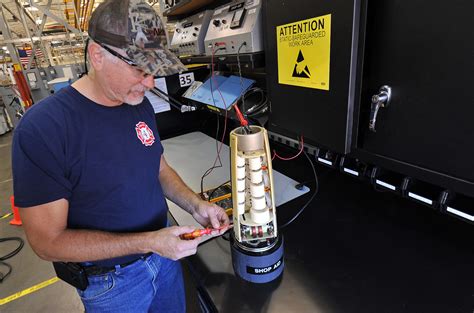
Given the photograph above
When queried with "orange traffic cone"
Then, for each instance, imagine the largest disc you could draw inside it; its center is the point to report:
(16, 214)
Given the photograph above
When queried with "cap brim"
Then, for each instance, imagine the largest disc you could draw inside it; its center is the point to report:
(156, 62)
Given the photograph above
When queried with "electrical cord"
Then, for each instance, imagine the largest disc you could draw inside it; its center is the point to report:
(9, 255)
(258, 108)
(241, 80)
(316, 190)
(275, 155)
(217, 162)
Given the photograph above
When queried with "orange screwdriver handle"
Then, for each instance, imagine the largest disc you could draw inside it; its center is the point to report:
(195, 234)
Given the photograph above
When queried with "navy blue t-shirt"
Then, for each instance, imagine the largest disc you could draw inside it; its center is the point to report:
(104, 160)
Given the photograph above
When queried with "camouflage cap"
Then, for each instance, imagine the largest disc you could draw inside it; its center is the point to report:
(135, 27)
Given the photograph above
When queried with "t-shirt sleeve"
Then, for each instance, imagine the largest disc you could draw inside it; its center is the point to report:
(39, 168)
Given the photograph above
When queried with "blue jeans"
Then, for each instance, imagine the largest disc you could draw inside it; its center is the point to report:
(154, 284)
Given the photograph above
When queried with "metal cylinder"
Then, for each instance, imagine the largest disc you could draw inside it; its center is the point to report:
(249, 142)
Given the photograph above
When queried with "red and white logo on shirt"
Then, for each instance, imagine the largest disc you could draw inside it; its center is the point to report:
(145, 134)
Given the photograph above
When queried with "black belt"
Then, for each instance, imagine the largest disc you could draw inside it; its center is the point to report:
(100, 270)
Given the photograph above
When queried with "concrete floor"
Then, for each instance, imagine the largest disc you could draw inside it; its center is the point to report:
(28, 269)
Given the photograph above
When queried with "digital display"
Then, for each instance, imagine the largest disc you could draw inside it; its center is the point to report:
(188, 25)
(236, 6)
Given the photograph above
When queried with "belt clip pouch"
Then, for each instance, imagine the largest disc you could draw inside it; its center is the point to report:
(72, 274)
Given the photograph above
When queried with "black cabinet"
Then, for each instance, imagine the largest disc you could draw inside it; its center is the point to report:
(323, 115)
(412, 63)
(425, 53)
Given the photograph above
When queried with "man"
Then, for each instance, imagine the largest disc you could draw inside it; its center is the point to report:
(91, 180)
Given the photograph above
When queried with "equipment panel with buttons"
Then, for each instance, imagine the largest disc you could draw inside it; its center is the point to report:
(189, 34)
(235, 28)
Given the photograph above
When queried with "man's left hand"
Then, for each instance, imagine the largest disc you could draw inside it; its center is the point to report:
(211, 215)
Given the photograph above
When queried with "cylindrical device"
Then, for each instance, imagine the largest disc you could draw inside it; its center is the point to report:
(257, 247)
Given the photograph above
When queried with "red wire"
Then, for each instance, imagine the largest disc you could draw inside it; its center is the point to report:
(290, 158)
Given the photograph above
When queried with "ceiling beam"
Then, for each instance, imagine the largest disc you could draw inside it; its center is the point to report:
(43, 38)
(10, 11)
(28, 14)
(56, 18)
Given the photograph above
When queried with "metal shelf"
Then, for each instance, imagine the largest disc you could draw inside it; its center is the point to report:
(247, 60)
(186, 7)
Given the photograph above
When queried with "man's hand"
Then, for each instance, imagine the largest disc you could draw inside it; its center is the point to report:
(210, 215)
(167, 243)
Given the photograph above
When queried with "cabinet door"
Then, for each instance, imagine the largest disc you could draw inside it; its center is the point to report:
(423, 50)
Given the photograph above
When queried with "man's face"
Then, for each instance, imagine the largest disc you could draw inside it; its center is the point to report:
(126, 83)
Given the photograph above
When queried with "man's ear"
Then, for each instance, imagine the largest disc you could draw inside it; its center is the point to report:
(96, 55)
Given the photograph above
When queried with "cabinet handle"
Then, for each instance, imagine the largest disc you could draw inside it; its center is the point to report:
(380, 100)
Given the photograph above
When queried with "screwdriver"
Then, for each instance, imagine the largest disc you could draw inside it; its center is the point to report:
(197, 233)
(200, 232)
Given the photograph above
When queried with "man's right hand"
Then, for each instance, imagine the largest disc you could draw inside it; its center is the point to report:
(167, 242)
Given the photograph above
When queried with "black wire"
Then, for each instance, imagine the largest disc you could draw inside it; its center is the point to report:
(209, 170)
(9, 255)
(258, 108)
(316, 190)
(14, 252)
(2, 275)
(240, 74)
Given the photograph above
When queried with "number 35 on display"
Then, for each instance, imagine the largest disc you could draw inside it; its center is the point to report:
(186, 79)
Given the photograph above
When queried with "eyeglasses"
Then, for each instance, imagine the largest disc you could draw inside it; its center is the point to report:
(116, 54)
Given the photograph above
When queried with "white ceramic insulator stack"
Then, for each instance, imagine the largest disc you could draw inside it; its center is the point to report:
(240, 196)
(241, 172)
(256, 176)
(259, 204)
(261, 216)
(255, 163)
(257, 190)
(240, 162)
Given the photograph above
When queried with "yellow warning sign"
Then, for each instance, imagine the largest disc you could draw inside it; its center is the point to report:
(303, 49)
